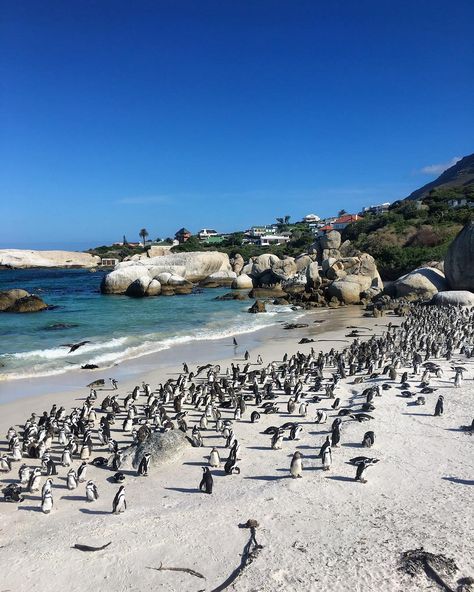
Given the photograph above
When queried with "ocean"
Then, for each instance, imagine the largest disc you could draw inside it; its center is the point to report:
(117, 327)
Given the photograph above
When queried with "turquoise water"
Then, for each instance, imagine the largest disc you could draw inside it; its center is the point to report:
(118, 327)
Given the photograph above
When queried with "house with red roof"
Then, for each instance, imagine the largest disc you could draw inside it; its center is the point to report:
(343, 221)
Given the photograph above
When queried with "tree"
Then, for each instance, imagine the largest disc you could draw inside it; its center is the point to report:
(341, 213)
(125, 241)
(280, 221)
(143, 234)
(287, 219)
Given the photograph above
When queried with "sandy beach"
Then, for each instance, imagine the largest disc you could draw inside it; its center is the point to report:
(324, 531)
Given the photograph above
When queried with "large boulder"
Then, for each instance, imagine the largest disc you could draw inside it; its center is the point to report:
(237, 263)
(258, 306)
(284, 269)
(262, 263)
(458, 263)
(154, 288)
(158, 251)
(164, 448)
(454, 298)
(19, 259)
(330, 240)
(345, 291)
(243, 282)
(303, 262)
(219, 278)
(192, 267)
(313, 278)
(9, 297)
(139, 287)
(423, 282)
(119, 280)
(28, 304)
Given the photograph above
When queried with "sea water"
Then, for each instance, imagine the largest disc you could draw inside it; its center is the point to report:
(117, 327)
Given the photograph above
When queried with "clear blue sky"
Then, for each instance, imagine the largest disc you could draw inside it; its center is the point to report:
(118, 115)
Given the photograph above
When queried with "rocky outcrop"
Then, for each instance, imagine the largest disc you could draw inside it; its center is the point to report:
(258, 306)
(458, 263)
(219, 279)
(157, 251)
(21, 259)
(423, 283)
(237, 263)
(177, 270)
(454, 298)
(164, 448)
(20, 301)
(243, 282)
(345, 291)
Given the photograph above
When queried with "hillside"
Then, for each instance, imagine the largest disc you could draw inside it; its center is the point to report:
(456, 177)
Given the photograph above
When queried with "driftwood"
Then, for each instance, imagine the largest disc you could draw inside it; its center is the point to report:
(87, 548)
(191, 572)
(250, 553)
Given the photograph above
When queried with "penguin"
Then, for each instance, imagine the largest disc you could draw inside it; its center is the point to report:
(335, 436)
(24, 474)
(66, 458)
(303, 409)
(230, 467)
(277, 440)
(296, 466)
(144, 465)
(255, 416)
(321, 417)
(203, 422)
(51, 467)
(439, 409)
(47, 502)
(327, 458)
(71, 479)
(47, 487)
(295, 432)
(368, 440)
(326, 444)
(361, 470)
(92, 494)
(81, 473)
(291, 405)
(34, 481)
(214, 458)
(5, 464)
(336, 403)
(119, 504)
(206, 481)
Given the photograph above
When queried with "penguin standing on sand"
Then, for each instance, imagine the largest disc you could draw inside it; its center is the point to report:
(214, 458)
(327, 458)
(335, 436)
(92, 493)
(296, 466)
(47, 502)
(361, 471)
(81, 473)
(66, 458)
(144, 465)
(119, 504)
(34, 481)
(71, 479)
(255, 416)
(24, 474)
(277, 440)
(439, 409)
(321, 417)
(206, 481)
(369, 439)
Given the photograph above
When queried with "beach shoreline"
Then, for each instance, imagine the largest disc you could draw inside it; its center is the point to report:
(322, 531)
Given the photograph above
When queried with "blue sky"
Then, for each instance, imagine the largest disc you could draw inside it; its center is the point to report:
(118, 115)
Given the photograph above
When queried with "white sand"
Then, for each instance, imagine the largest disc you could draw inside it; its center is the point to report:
(322, 532)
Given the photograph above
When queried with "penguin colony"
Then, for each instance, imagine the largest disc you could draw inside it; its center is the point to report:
(401, 362)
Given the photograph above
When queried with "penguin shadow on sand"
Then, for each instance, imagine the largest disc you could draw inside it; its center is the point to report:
(94, 512)
(459, 481)
(341, 478)
(268, 477)
(74, 498)
(184, 489)
(419, 414)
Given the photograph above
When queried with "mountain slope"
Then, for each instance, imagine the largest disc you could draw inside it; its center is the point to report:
(459, 175)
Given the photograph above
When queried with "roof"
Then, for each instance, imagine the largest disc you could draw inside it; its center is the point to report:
(327, 227)
(347, 218)
(183, 231)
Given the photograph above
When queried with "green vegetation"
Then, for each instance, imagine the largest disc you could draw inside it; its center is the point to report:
(301, 240)
(411, 233)
(116, 251)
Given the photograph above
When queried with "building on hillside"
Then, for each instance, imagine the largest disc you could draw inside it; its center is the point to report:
(378, 209)
(205, 233)
(343, 221)
(272, 239)
(258, 231)
(109, 262)
(182, 235)
(311, 219)
(325, 229)
(461, 202)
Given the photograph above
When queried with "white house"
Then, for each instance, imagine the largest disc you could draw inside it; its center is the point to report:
(311, 218)
(273, 239)
(205, 233)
